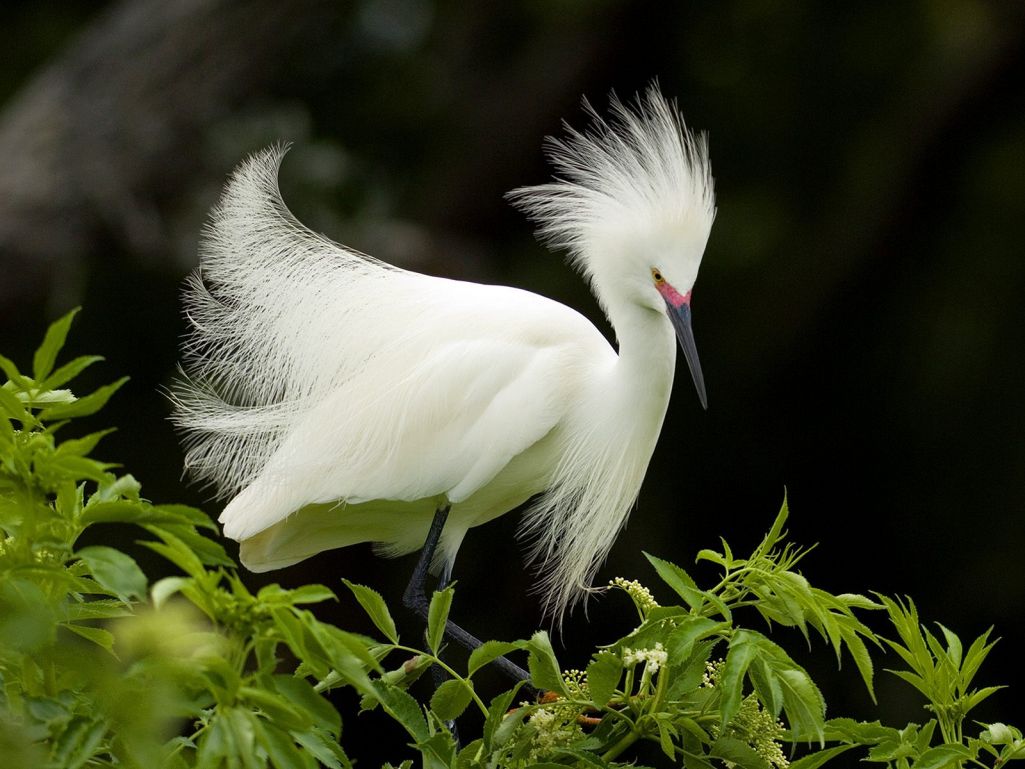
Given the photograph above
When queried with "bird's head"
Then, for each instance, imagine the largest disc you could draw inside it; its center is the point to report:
(633, 204)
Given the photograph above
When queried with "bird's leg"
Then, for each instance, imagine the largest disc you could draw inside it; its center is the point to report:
(415, 597)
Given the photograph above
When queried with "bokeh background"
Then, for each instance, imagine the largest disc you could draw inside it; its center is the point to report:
(860, 312)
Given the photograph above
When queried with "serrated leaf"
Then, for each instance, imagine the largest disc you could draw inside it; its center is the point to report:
(280, 747)
(859, 653)
(324, 749)
(681, 640)
(53, 342)
(451, 699)
(744, 646)
(115, 571)
(803, 704)
(545, 672)
(978, 696)
(489, 651)
(603, 676)
(438, 752)
(975, 656)
(437, 618)
(375, 607)
(404, 709)
(678, 580)
(497, 710)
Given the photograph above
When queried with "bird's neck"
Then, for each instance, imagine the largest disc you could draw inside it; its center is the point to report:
(647, 356)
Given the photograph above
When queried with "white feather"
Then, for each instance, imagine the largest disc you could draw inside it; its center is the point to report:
(338, 399)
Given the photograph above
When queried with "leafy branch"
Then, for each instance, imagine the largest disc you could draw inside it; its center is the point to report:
(104, 665)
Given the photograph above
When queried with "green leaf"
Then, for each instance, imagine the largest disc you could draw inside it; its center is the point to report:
(326, 750)
(819, 757)
(438, 752)
(277, 708)
(404, 709)
(451, 699)
(302, 695)
(84, 406)
(776, 531)
(311, 594)
(78, 743)
(489, 651)
(163, 589)
(21, 381)
(737, 752)
(12, 406)
(497, 711)
(603, 676)
(678, 580)
(281, 748)
(115, 571)
(665, 738)
(375, 607)
(437, 618)
(68, 371)
(743, 649)
(135, 511)
(82, 446)
(803, 703)
(46, 355)
(176, 551)
(99, 636)
(545, 672)
(858, 651)
(802, 700)
(692, 629)
(949, 756)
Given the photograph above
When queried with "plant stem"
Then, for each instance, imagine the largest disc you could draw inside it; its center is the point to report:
(625, 742)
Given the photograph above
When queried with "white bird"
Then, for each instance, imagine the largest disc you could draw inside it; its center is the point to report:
(338, 399)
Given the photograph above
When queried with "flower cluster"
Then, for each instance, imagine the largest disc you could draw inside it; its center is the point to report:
(654, 658)
(641, 596)
(752, 723)
(554, 727)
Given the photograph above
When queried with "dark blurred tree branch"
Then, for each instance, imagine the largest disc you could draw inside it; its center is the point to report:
(93, 143)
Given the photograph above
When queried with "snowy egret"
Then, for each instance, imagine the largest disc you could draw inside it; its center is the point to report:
(338, 399)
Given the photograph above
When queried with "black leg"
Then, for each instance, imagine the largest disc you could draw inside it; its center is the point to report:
(415, 598)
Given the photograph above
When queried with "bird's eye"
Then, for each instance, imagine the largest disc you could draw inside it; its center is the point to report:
(657, 276)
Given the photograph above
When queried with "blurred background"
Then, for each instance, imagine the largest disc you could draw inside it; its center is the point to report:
(859, 314)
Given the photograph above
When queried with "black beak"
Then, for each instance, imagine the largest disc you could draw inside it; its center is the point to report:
(680, 317)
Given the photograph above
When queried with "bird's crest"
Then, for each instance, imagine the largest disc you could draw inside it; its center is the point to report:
(638, 174)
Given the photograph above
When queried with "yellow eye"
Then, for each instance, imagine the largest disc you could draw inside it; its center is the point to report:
(659, 280)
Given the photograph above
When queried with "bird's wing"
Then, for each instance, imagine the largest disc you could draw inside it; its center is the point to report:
(437, 413)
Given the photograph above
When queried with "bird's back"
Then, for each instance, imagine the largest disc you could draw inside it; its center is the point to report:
(319, 375)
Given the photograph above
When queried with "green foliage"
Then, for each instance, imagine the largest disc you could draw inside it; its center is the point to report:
(104, 665)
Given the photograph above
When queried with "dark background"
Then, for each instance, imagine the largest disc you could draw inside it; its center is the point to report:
(860, 308)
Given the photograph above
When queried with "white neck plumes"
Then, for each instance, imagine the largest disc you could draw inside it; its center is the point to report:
(631, 195)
